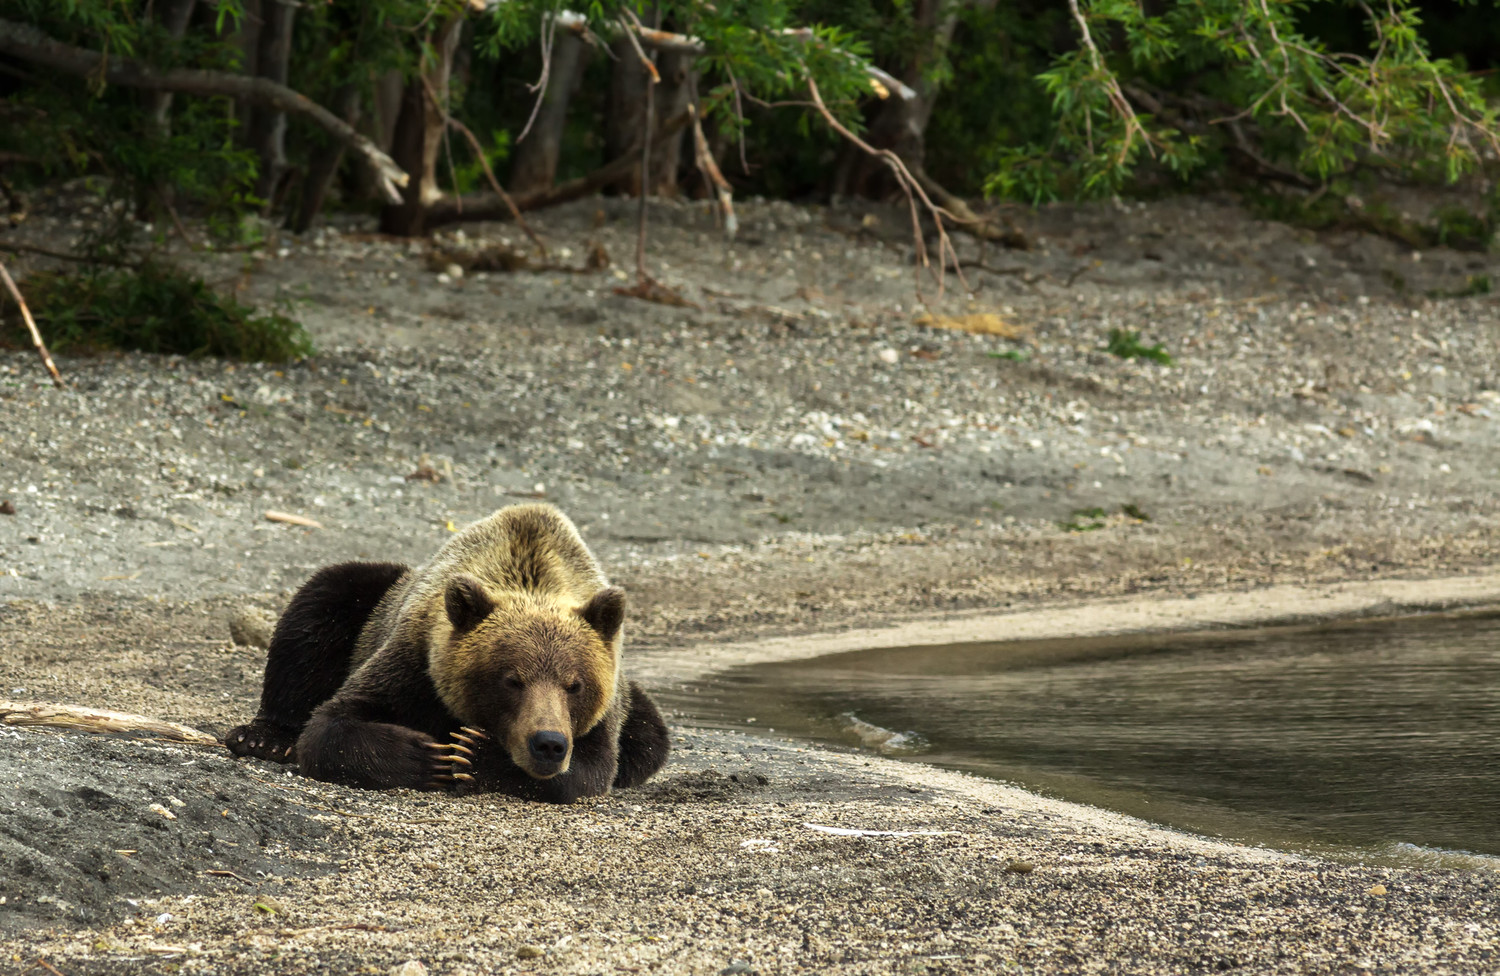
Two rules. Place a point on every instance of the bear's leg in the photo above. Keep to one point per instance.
(310, 654)
(643, 741)
(338, 747)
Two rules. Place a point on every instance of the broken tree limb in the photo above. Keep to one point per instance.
(29, 44)
(98, 720)
(36, 335)
(720, 187)
(488, 206)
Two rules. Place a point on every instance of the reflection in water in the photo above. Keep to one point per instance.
(1382, 737)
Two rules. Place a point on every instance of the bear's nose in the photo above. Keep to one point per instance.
(548, 747)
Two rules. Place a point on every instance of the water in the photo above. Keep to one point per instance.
(1378, 741)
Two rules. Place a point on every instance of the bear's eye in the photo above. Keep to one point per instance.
(514, 683)
(575, 687)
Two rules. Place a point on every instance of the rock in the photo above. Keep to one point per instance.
(736, 967)
(249, 627)
(888, 356)
(530, 952)
(1020, 867)
(1376, 890)
(411, 967)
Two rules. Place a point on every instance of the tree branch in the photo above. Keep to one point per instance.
(29, 44)
(487, 206)
(36, 336)
(883, 83)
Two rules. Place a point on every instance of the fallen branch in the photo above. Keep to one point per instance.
(98, 721)
(29, 44)
(36, 335)
(451, 210)
(484, 164)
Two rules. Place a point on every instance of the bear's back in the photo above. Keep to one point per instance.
(521, 549)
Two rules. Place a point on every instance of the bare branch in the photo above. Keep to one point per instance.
(914, 192)
(29, 44)
(36, 335)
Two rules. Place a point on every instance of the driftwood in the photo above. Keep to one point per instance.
(29, 44)
(98, 720)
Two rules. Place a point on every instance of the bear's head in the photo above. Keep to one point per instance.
(532, 672)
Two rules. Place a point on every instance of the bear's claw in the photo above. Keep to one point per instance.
(453, 756)
(263, 741)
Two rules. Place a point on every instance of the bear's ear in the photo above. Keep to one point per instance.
(467, 601)
(605, 612)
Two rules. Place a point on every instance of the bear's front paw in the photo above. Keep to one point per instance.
(263, 740)
(455, 758)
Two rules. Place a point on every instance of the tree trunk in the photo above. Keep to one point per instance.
(672, 97)
(901, 124)
(245, 37)
(487, 206)
(535, 164)
(380, 126)
(174, 16)
(267, 136)
(419, 133)
(325, 165)
(627, 113)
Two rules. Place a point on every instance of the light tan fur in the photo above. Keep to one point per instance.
(534, 567)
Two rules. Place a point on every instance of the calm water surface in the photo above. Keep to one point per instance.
(1378, 740)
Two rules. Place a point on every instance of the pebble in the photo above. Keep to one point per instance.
(530, 952)
(411, 967)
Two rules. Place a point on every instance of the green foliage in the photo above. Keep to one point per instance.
(1012, 355)
(1319, 110)
(155, 308)
(1127, 345)
(992, 102)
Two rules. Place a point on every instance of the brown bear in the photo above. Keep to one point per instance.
(497, 664)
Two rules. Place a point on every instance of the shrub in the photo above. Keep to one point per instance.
(156, 308)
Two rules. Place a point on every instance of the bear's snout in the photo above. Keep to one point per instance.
(548, 751)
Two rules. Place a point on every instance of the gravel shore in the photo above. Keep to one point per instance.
(806, 452)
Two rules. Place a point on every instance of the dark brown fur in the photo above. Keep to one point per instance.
(511, 628)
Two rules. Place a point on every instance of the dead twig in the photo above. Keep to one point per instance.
(913, 189)
(291, 519)
(36, 335)
(229, 874)
(47, 966)
(98, 720)
(549, 34)
(650, 123)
